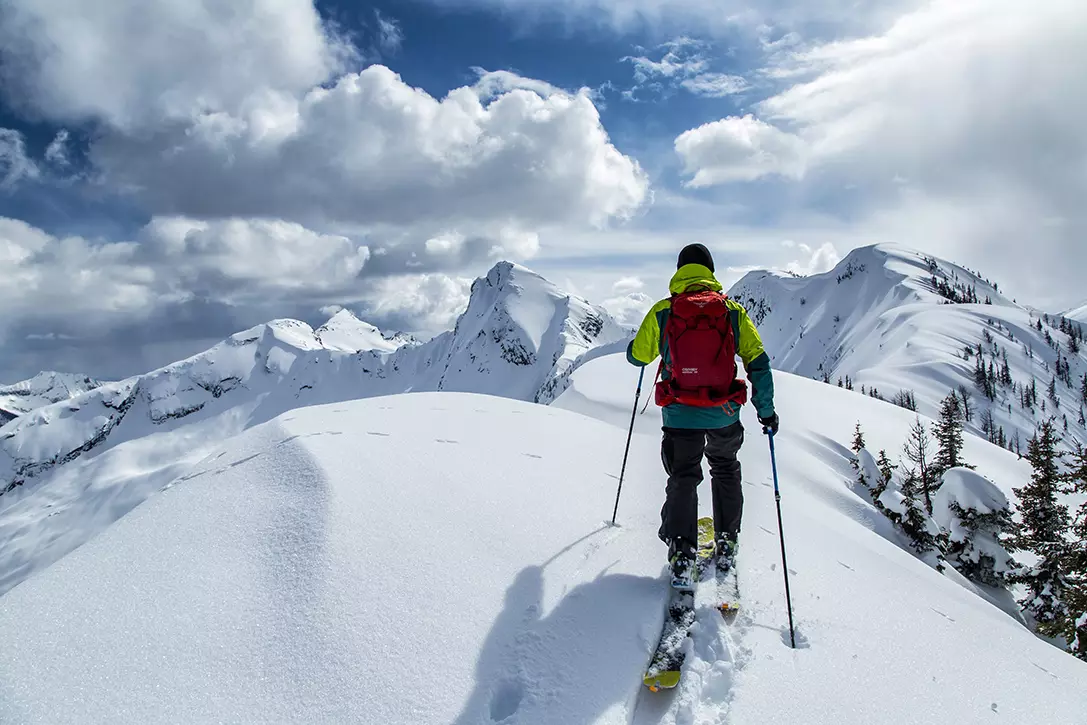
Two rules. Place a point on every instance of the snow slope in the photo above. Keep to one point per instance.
(1078, 314)
(45, 388)
(444, 558)
(878, 319)
(70, 469)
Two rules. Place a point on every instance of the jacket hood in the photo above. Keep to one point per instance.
(691, 275)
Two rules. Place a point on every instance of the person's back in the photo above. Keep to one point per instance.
(697, 332)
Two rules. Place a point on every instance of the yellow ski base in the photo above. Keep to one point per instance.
(662, 681)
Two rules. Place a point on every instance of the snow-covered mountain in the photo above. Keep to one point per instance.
(909, 326)
(1079, 314)
(267, 583)
(45, 388)
(347, 333)
(520, 337)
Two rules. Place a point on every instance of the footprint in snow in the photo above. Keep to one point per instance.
(377, 433)
(445, 440)
(532, 455)
(506, 700)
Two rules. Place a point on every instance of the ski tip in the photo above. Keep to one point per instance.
(662, 681)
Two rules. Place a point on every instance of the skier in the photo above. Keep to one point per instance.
(698, 332)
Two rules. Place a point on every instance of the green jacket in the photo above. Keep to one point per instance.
(649, 343)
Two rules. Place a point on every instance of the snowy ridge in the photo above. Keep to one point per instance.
(879, 320)
(1079, 314)
(558, 620)
(519, 338)
(45, 388)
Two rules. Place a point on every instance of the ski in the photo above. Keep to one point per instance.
(666, 665)
(667, 661)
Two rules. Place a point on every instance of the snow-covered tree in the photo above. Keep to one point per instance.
(974, 515)
(915, 522)
(1041, 531)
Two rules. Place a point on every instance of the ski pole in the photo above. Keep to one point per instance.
(630, 434)
(781, 533)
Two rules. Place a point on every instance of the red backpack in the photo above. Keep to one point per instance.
(702, 350)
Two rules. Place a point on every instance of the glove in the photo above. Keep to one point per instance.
(770, 423)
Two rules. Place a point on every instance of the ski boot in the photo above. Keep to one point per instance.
(681, 559)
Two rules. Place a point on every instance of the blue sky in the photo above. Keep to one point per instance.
(171, 173)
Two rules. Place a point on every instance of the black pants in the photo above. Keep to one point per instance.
(681, 451)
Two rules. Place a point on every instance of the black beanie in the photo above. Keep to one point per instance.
(695, 254)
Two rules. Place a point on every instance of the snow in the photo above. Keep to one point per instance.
(877, 319)
(446, 558)
(347, 333)
(277, 531)
(70, 469)
(1079, 314)
(969, 491)
(45, 388)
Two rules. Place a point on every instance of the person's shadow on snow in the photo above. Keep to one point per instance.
(583, 658)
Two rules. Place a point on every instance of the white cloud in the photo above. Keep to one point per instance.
(739, 149)
(371, 149)
(627, 285)
(813, 260)
(715, 85)
(426, 303)
(131, 63)
(390, 36)
(56, 152)
(15, 165)
(959, 122)
(683, 65)
(629, 309)
(233, 262)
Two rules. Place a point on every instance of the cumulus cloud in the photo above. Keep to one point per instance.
(233, 262)
(130, 62)
(739, 149)
(423, 302)
(15, 165)
(813, 260)
(371, 149)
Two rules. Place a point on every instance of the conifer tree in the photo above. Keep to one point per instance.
(886, 468)
(914, 522)
(1083, 389)
(948, 435)
(1041, 531)
(1076, 630)
(917, 450)
(858, 438)
(1051, 392)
